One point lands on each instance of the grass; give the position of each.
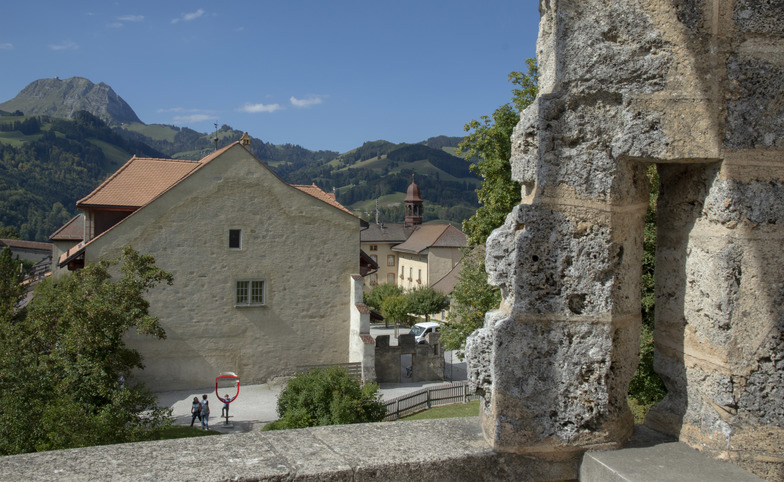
(456, 410)
(639, 410)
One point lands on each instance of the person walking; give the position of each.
(205, 413)
(195, 410)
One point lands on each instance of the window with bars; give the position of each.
(250, 293)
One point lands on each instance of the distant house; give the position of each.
(411, 254)
(262, 269)
(30, 250)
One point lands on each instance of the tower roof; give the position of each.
(412, 195)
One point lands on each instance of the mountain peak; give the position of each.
(62, 98)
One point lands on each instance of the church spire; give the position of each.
(413, 204)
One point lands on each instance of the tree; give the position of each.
(376, 297)
(490, 147)
(11, 289)
(63, 368)
(327, 397)
(472, 297)
(646, 386)
(425, 301)
(396, 309)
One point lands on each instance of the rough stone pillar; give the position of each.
(695, 87)
(719, 264)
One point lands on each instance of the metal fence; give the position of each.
(457, 392)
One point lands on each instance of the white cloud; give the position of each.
(67, 45)
(256, 108)
(6, 46)
(114, 25)
(307, 101)
(187, 17)
(131, 18)
(193, 118)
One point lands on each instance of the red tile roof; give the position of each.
(139, 181)
(317, 193)
(73, 230)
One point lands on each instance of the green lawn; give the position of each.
(470, 409)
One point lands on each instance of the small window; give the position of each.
(419, 277)
(374, 258)
(374, 247)
(235, 238)
(373, 279)
(390, 260)
(250, 293)
(391, 278)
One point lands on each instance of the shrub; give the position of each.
(327, 397)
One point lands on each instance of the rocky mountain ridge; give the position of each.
(63, 98)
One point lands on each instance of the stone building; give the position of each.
(262, 269)
(411, 254)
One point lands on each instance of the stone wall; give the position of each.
(694, 87)
(304, 249)
(427, 359)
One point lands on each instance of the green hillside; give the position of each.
(47, 164)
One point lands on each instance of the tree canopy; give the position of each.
(64, 367)
(489, 146)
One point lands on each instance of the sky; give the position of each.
(321, 74)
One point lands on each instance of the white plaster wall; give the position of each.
(303, 248)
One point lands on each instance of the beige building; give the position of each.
(412, 254)
(262, 269)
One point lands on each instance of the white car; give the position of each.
(421, 330)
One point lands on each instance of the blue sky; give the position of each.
(321, 74)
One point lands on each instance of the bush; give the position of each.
(327, 397)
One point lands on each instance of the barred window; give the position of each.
(250, 293)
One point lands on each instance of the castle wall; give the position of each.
(694, 87)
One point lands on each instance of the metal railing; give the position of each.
(457, 392)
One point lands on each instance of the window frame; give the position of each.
(391, 257)
(239, 240)
(250, 294)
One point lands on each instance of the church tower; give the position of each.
(413, 205)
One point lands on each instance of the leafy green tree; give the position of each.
(8, 232)
(490, 147)
(425, 301)
(11, 289)
(472, 297)
(375, 297)
(327, 397)
(64, 368)
(646, 386)
(396, 309)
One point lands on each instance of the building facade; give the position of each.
(262, 269)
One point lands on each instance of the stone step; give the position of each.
(652, 456)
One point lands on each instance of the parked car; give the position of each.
(421, 330)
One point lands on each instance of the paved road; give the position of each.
(256, 404)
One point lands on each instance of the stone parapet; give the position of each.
(448, 449)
